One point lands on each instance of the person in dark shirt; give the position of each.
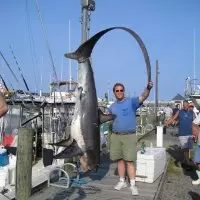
(185, 118)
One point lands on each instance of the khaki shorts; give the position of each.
(123, 147)
(186, 142)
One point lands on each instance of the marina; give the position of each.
(55, 143)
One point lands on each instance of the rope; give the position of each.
(48, 46)
(9, 67)
(32, 45)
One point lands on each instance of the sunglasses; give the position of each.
(119, 90)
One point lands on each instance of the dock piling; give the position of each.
(24, 164)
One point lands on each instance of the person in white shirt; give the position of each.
(196, 159)
(168, 112)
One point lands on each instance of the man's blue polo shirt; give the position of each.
(125, 112)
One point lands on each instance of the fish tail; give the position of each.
(73, 56)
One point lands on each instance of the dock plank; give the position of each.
(99, 184)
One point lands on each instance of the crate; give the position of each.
(151, 164)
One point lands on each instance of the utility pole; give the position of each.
(156, 94)
(87, 6)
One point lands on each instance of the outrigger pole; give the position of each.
(25, 83)
(9, 67)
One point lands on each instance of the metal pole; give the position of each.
(70, 61)
(84, 20)
(194, 57)
(86, 7)
(156, 94)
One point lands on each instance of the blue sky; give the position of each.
(166, 28)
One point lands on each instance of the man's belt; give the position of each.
(123, 133)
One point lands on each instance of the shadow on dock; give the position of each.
(103, 170)
(177, 153)
(80, 194)
(194, 195)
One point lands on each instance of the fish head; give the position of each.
(89, 161)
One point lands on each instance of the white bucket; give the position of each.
(3, 176)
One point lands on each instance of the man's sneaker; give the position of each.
(134, 190)
(120, 185)
(196, 182)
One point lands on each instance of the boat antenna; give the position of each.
(41, 79)
(194, 52)
(61, 73)
(70, 61)
(25, 83)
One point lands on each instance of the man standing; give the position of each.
(123, 138)
(168, 112)
(185, 118)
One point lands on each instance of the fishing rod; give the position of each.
(9, 67)
(17, 79)
(25, 83)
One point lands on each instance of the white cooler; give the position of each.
(151, 164)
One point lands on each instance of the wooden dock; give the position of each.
(99, 185)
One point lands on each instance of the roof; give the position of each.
(178, 97)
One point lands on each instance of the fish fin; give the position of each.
(63, 143)
(105, 117)
(71, 55)
(69, 152)
(79, 92)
